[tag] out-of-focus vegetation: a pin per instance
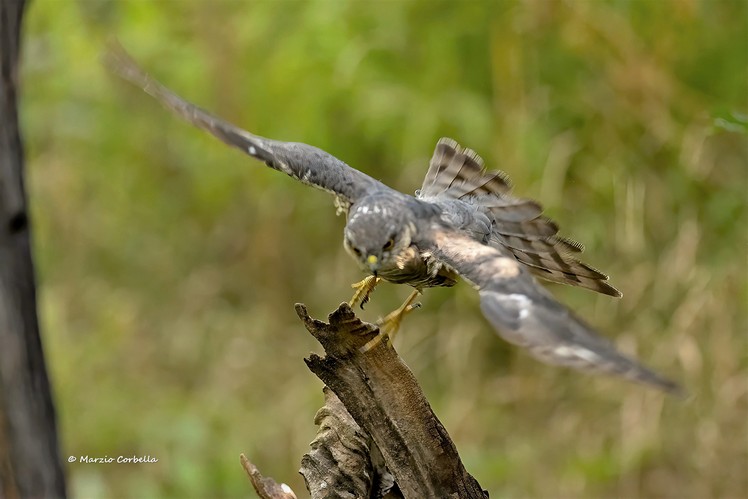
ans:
(169, 264)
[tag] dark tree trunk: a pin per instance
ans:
(29, 453)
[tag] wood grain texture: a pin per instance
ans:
(383, 397)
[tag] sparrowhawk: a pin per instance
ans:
(463, 222)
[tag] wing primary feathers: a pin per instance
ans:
(303, 162)
(553, 335)
(524, 314)
(120, 62)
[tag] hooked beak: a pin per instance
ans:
(373, 263)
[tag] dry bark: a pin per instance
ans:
(383, 398)
(343, 460)
(266, 487)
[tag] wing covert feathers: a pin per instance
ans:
(518, 224)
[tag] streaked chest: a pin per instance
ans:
(418, 269)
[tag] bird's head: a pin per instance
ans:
(376, 233)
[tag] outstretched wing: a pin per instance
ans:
(525, 314)
(303, 162)
(518, 225)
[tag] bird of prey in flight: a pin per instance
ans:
(462, 223)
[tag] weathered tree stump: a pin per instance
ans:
(383, 398)
(377, 437)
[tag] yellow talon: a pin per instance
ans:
(389, 326)
(363, 289)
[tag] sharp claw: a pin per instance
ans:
(363, 289)
(390, 324)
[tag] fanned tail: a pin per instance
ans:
(459, 172)
(519, 226)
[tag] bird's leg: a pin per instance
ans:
(389, 326)
(363, 289)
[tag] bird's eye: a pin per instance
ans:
(389, 244)
(356, 251)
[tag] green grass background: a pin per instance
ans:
(169, 264)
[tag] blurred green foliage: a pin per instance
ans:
(169, 264)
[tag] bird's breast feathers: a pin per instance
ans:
(418, 269)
